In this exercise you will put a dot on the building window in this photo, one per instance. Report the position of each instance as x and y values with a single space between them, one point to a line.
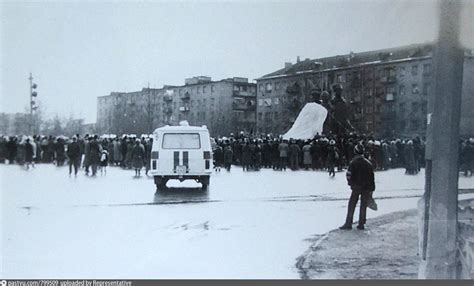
212 88
426 88
414 107
390 90
268 87
268 116
414 124
276 100
368 110
370 93
275 116
204 89
260 116
260 87
414 70
369 126
414 88
260 102
402 71
426 69
277 85
379 90
402 125
424 107
340 78
348 77
402 89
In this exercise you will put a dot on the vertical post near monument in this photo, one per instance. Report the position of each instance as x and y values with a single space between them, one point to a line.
442 149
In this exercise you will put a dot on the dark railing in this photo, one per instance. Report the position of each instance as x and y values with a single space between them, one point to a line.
243 106
243 93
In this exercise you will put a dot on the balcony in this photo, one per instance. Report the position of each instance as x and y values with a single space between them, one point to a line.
390 97
245 120
184 108
185 96
293 89
243 93
389 115
167 98
355 99
245 106
388 79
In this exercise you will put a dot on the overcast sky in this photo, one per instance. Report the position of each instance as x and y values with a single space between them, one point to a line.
78 51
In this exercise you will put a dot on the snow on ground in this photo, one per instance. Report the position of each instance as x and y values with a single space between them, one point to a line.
247 225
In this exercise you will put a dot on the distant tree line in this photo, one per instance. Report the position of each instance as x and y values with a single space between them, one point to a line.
21 124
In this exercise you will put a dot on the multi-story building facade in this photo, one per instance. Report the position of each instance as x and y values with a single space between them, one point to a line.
387 90
224 106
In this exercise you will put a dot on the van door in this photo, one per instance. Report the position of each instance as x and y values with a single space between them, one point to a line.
182 151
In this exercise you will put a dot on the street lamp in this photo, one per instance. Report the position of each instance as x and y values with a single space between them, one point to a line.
33 96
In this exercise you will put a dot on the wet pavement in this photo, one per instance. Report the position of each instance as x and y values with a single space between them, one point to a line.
245 225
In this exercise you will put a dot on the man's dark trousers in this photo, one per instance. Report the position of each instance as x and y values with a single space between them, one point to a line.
365 196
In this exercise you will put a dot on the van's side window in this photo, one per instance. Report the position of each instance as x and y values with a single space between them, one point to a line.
181 141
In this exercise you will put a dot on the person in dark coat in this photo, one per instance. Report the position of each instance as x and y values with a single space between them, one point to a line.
228 157
11 150
74 155
294 153
123 151
410 163
333 157
246 156
60 152
275 153
28 153
284 151
3 149
137 156
95 151
148 147
87 147
360 177
218 155
307 158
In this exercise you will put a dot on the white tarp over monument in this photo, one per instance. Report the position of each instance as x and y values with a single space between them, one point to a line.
308 123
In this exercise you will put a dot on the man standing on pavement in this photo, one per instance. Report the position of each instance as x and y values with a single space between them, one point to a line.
360 176
74 155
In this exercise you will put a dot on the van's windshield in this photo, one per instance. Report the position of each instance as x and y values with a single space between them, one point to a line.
181 141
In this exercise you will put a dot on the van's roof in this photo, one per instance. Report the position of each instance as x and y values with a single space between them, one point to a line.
181 128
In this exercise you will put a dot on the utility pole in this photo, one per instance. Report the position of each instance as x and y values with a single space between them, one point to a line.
441 190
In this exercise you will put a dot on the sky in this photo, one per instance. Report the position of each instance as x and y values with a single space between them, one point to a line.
78 51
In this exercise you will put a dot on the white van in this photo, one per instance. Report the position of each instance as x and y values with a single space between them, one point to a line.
181 152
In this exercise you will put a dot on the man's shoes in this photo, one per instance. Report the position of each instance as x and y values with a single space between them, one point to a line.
346 227
360 226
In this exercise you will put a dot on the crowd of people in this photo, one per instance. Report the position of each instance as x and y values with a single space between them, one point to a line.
329 153
91 152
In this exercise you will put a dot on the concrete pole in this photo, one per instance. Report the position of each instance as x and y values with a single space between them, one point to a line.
442 153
